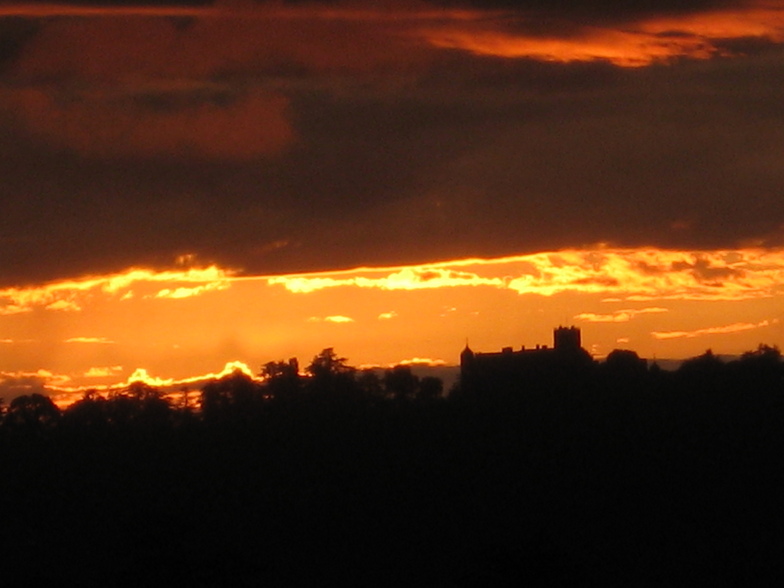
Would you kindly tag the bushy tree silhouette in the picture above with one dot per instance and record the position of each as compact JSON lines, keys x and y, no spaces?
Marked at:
{"x":87,"y":414}
{"x":430,"y":388}
{"x":623,"y":368}
{"x":705,"y":373}
{"x":577,"y":486}
{"x":401,"y":383}
{"x":233,"y":397}
{"x":330,"y":374}
{"x":370,"y":384}
{"x":760,"y":371}
{"x":764,"y":356}
{"x":281,"y":379}
{"x":33,"y":413}
{"x":138,"y":404}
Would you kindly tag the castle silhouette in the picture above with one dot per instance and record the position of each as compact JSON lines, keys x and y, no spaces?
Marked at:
{"x":566,"y":356}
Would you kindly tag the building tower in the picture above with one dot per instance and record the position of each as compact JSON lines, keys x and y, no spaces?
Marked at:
{"x":567,"y":339}
{"x":466,"y":358}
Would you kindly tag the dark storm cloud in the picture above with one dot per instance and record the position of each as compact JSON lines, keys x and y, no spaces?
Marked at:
{"x":13,"y":385}
{"x":14,"y":32}
{"x":624,"y":7}
{"x":673,"y":157}
{"x":242,"y":144}
{"x":585,"y":9}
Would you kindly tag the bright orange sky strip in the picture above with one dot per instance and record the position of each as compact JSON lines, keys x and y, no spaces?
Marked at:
{"x":161,"y":327}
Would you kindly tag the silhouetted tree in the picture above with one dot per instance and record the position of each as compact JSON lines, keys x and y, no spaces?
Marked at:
{"x":624,"y":366}
{"x":235,"y":396}
{"x":761,"y":369}
{"x":281,"y":378}
{"x":705,"y":363}
{"x":763,"y":355}
{"x":704,"y":372}
{"x":331,"y":374}
{"x":32,"y":413}
{"x":370,"y":384}
{"x":430,"y":388}
{"x":138,"y":403}
{"x":87,"y":413}
{"x":400,"y":382}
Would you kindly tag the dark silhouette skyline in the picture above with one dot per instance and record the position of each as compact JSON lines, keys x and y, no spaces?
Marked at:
{"x":620,"y":473}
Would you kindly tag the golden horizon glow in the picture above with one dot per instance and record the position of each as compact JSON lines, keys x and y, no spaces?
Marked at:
{"x":65,"y":395}
{"x":169,"y":323}
{"x":640,"y":274}
{"x":64,"y":295}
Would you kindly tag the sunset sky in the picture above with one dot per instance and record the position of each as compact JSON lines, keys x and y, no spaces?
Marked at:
{"x":187,"y":185}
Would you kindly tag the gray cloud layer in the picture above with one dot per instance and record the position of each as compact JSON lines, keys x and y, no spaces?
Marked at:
{"x":359,"y":145}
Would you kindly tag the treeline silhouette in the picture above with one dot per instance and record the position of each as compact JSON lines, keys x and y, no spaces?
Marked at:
{"x":621,"y":474}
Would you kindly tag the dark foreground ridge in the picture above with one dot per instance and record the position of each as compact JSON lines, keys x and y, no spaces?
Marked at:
{"x":624,"y":476}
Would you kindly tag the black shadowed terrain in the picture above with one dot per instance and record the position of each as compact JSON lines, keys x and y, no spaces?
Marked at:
{"x":627,"y":475}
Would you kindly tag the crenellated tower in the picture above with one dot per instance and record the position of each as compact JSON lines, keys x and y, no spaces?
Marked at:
{"x":567,"y":339}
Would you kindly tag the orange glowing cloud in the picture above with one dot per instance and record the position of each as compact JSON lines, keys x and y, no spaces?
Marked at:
{"x":406,"y":278}
{"x":103,"y":372}
{"x":337,"y":318}
{"x":99,"y":340}
{"x":66,"y":295}
{"x":615,"y":274}
{"x":423,"y":361}
{"x":634,"y":44}
{"x":67,"y":305}
{"x":129,"y":81}
{"x":627,"y":49}
{"x":141,"y":375}
{"x":11,"y":308}
{"x":183,"y":292}
{"x":630,"y":274}
{"x":722,"y":330}
{"x":64,"y":394}
{"x":762,"y":19}
{"x":618,"y":316}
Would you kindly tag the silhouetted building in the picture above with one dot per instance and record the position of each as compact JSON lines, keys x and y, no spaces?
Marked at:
{"x":535,"y":365}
